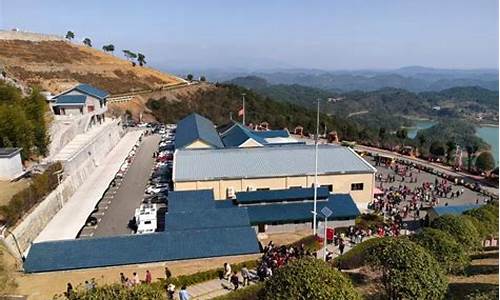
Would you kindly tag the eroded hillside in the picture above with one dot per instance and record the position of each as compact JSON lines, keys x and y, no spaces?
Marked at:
{"x":56,"y":65}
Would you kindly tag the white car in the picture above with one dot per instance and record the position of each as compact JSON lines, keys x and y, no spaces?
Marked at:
{"x":156,"y":189}
{"x":145,"y":217}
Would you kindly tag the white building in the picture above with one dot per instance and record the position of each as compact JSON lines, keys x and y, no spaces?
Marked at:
{"x":82,"y":99}
{"x":10,"y":163}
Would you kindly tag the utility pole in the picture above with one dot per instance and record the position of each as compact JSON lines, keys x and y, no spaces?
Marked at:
{"x":316,"y":171}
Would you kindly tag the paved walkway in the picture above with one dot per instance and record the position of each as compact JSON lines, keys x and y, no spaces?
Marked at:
{"x":69,"y":220}
{"x":439,"y":167}
{"x":128,"y":196}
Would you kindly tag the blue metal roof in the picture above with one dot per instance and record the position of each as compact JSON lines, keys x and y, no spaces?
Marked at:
{"x":238,"y":134}
{"x":71,"y":100}
{"x":207,"y":218}
{"x":179,"y":201}
{"x":195,"y":127}
{"x":342,"y":206}
{"x":134,"y":249}
{"x":93,"y":91}
{"x":272,"y":133}
{"x":454,"y":209}
{"x":297,"y":194}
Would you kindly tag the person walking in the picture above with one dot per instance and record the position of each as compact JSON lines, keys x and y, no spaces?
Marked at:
{"x":183,"y":294}
{"x":227,"y":271}
{"x":135,"y":279}
{"x":168,"y":274}
{"x":341,"y":246}
{"x":235,"y":280}
{"x":69,"y":291}
{"x":170,"y":291}
{"x":148,"y":278}
{"x":246,"y":275}
{"x":123,"y":280}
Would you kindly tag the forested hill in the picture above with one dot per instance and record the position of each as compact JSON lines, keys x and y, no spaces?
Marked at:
{"x":387,"y":106}
{"x":217,"y":104}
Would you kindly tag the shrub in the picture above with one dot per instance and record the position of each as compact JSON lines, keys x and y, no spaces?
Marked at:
{"x":356,"y":257}
{"x":247,"y":293}
{"x":408,"y":270}
{"x":311,"y":243}
{"x":24,"y":200}
{"x":116,"y":292}
{"x":367,"y":221}
{"x":449,"y":254}
{"x":461,"y":229}
{"x":308,"y":278}
{"x":487,"y":215}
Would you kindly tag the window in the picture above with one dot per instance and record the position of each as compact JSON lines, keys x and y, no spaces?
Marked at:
{"x":357,"y":187}
{"x":295,"y":187}
{"x":263,"y":189}
{"x":330,"y":187}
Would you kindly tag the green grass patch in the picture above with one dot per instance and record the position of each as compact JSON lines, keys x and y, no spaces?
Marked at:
{"x":355,"y":258}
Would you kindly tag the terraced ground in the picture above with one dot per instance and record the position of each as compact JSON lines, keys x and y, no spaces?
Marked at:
{"x":58,"y":65}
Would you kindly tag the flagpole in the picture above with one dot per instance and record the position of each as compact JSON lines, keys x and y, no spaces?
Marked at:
{"x":316,"y":170}
{"x":244,"y":110}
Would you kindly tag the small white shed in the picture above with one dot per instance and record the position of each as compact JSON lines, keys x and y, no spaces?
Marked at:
{"x":11,"y":165}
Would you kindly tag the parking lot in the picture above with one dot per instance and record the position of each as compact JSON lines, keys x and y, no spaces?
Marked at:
{"x":140,"y":188}
{"x":118,"y":204}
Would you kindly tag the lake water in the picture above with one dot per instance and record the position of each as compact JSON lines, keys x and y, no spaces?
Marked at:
{"x":488,"y":134}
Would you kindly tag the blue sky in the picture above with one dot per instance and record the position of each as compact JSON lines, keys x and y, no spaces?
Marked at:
{"x":259,"y":34}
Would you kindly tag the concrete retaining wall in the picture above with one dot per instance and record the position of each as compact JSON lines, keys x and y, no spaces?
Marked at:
{"x":35,"y":222}
{"x":96,"y":150}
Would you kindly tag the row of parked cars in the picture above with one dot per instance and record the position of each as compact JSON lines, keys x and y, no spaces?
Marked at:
{"x":92,"y":220}
{"x":156,"y":193}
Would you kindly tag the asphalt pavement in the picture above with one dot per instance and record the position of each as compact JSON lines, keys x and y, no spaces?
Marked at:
{"x":119,"y":205}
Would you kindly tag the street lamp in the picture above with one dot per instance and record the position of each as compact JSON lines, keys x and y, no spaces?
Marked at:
{"x":316,"y":171}
{"x":327,"y":213}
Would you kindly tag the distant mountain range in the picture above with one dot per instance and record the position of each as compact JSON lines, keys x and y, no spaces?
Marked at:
{"x":414,"y":78}
{"x":389,"y":106}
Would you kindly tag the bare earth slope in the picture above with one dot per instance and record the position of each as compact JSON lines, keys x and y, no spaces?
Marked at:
{"x":56,"y":65}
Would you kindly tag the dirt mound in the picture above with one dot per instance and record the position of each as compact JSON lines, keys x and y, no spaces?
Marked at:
{"x":58,"y":65}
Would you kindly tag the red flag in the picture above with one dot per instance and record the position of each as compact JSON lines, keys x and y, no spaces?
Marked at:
{"x":241,"y":112}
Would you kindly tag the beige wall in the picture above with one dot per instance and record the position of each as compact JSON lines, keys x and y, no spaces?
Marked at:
{"x":341,"y":184}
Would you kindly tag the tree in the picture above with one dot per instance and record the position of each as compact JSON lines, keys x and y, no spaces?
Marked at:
{"x":203,"y":79}
{"x":382,"y":133}
{"x":440,"y":244}
{"x":461,"y":229}
{"x":471,"y":149}
{"x":451,"y":146}
{"x":141,"y":58}
{"x":408,"y":271}
{"x":437,"y":148}
{"x":108,"y":48}
{"x":87,"y":42}
{"x":402,"y":133}
{"x":70,"y":35}
{"x":190,"y":77}
{"x":485,"y":162}
{"x":130,"y":56}
{"x":308,"y":278}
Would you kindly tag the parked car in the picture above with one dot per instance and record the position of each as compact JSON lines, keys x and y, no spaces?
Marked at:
{"x":91,"y":221}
